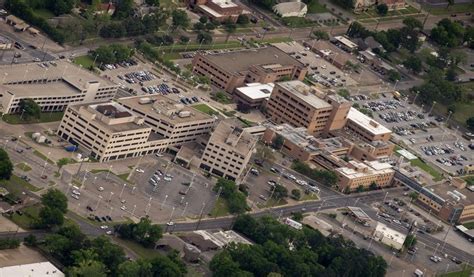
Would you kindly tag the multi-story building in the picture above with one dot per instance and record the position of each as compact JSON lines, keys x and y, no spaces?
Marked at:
{"x":253,"y":95}
{"x":366,"y":128}
{"x":340,"y":110}
{"x":176,"y":123}
{"x":228,"y":151}
{"x":358,"y":174}
{"x":109,"y":131}
{"x":133,"y":126}
{"x":52,"y":85}
{"x":293,"y":102}
{"x":219,"y":10}
{"x":231,"y":70}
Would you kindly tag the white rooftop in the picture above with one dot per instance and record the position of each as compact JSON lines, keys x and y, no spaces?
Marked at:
{"x":390,"y":233}
{"x":346,"y":41}
{"x":361,"y":169}
{"x":31,"y":270}
{"x":366,"y":122}
{"x":224,"y":3}
{"x":257,"y":91}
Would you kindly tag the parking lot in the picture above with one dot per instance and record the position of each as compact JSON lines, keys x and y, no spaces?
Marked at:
{"x":424,"y":134}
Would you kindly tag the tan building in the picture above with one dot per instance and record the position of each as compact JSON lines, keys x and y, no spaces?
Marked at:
{"x":53,"y":87}
{"x":366,"y":128}
{"x":18,"y":24}
{"x":293,"y":102}
{"x":220,"y":10}
{"x":231,"y":70}
{"x":228,"y":151}
{"x":176,"y":123}
{"x":358,"y":174}
{"x":340,"y":110}
{"x":109,"y":131}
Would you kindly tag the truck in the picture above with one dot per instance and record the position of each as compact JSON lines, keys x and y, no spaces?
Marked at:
{"x":71,"y":148}
{"x":396,"y":95}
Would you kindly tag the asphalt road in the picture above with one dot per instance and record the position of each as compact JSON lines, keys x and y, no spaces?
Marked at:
{"x":35,"y":53}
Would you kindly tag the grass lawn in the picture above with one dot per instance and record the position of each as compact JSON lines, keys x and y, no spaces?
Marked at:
{"x":453,"y":9}
{"x":86,"y":61}
{"x":309,"y":196}
{"x":29,"y":216}
{"x":141,"y":251}
{"x":469,"y":225}
{"x":469,"y":180}
{"x":44,"y":117}
{"x":124,"y":176}
{"x":23,"y":167}
{"x":44,"y":13}
{"x":425,"y":167}
{"x":205,"y":109}
{"x":43,"y":157}
{"x":16,"y":185}
{"x":220,"y":208}
{"x":272,"y":203}
{"x":297,"y":22}
{"x":248,"y":123}
{"x":466,"y":272}
{"x":315,"y":7}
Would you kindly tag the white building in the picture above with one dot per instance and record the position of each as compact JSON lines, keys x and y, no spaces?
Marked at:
{"x":367,"y":128}
{"x":253,"y":95}
{"x":41,"y":269}
{"x":52,"y":85}
{"x":389,"y":236}
{"x":287,"y":9}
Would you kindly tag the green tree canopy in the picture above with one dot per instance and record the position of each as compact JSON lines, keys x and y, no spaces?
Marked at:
{"x":320,"y":34}
{"x":180,"y":19}
{"x":470,"y":123}
{"x":243,"y":19}
{"x":54,"y":198}
{"x":6,"y":166}
{"x":30,"y":108}
{"x":382,"y":9}
{"x":155,"y":3}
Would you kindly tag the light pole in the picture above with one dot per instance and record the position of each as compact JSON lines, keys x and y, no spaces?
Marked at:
{"x":385,"y":197}
{"x":16,"y":144}
{"x":432,"y":106}
{"x":450,"y":113}
{"x":84,"y":180}
{"x":111,"y":209}
{"x":123,"y":188}
{"x":436,"y":249}
{"x":200,"y":214}
{"x":44,"y":168}
{"x":133,"y":211}
{"x":171,"y":217}
{"x":5,"y":146}
{"x":416,"y":95}
{"x":148,"y":205}
{"x":108,"y":172}
{"x":110,"y":197}
{"x":133,"y":189}
{"x":98,"y":202}
{"x":162,"y":204}
{"x":95,"y":180}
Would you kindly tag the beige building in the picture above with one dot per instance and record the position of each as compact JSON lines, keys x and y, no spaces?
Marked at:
{"x":228,"y":151}
{"x":366,"y":128}
{"x":133,"y":126}
{"x":109,"y":131}
{"x":176,"y":123}
{"x":52,"y":87}
{"x":231,"y":70}
{"x":358,"y":174}
{"x":295,"y":103}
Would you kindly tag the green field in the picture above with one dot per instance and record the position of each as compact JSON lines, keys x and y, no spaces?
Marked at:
{"x":469,"y":225}
{"x":16,"y":185}
{"x":44,"y":13}
{"x":23,"y":166}
{"x":141,"y":251}
{"x":43,"y":157}
{"x":28,"y":218}
{"x":458,"y":8}
{"x":85,"y":61}
{"x":44,"y":117}
{"x":220,"y":208}
{"x":315,"y":7}
{"x":466,"y":272}
{"x":425,"y":167}
{"x":205,"y":109}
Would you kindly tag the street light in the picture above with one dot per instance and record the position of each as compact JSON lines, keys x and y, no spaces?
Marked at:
{"x":133,"y":211}
{"x":184,"y":210}
{"x":16,"y":145}
{"x":44,"y":167}
{"x":110,"y":197}
{"x":124,"y":185}
{"x":98,"y":202}
{"x":162,"y":204}
{"x":108,"y":172}
{"x":171,"y":217}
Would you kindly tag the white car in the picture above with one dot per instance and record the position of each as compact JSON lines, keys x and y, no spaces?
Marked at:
{"x":103,"y":227}
{"x":168,"y":179}
{"x":123,"y":208}
{"x":170,"y":223}
{"x":75,"y":196}
{"x":159,"y":155}
{"x":76,"y":192}
{"x":140,"y":170}
{"x":109,"y":232}
{"x":100,"y":188}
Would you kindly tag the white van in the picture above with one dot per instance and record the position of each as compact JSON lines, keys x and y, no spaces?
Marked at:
{"x":418,"y":273}
{"x":75,"y":187}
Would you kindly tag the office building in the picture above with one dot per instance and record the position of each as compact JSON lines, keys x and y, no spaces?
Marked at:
{"x":228,"y":151}
{"x":170,"y":120}
{"x":52,"y":85}
{"x":364,"y":174}
{"x":366,"y":128}
{"x":253,"y":95}
{"x":388,"y":236}
{"x":293,"y":102}
{"x":340,"y":110}
{"x":230,"y":70}
{"x":219,"y":10}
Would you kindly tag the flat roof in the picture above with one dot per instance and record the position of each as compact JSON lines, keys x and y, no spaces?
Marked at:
{"x":52,"y":89}
{"x":331,"y":51}
{"x":297,"y":135}
{"x":239,"y":61}
{"x":357,"y":169}
{"x":257,"y":90}
{"x":241,"y":141}
{"x":347,"y":42}
{"x":367,"y":123}
{"x":390,"y":233}
{"x":73,"y":74}
{"x":32,"y":270}
{"x":304,"y":92}
{"x":452,"y":194}
{"x":359,"y":213}
{"x":224,"y":3}
{"x":163,"y":108}
{"x":210,"y":10}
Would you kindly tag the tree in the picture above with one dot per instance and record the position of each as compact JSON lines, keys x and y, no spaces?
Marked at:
{"x":50,"y":217}
{"x":413,"y":195}
{"x":414,"y":64}
{"x":382,"y":9}
{"x":345,"y":4}
{"x":143,"y":232}
{"x":88,"y":268}
{"x":448,"y":33}
{"x":278,"y":141}
{"x":124,"y":9}
{"x":236,"y":200}
{"x":412,"y":23}
{"x":30,"y":240}
{"x":279,"y":192}
{"x":451,"y":74}
{"x":360,"y":188}
{"x":155,"y":3}
{"x":373,"y":186}
{"x":198,"y":26}
{"x":30,"y":108}
{"x":230,"y":28}
{"x":184,"y":39}
{"x":62,"y":162}
{"x":204,"y":38}
{"x":296,"y":194}
{"x":55,"y":199}
{"x":320,"y":34}
{"x":470,"y":123}
{"x":243,"y":19}
{"x":393,"y":75}
{"x":180,"y":19}
{"x":6,"y":166}
{"x":298,"y":216}
{"x":203,"y":19}
{"x":357,"y":30}
{"x":410,"y":241}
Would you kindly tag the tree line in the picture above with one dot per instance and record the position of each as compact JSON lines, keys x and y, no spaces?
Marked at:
{"x":280,"y":250}
{"x":326,"y":177}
